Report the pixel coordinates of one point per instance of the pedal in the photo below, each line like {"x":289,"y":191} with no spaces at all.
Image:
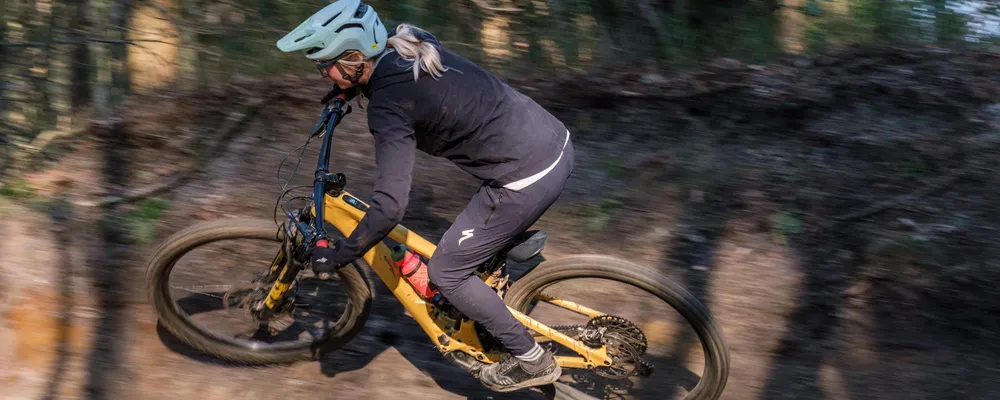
{"x":469,"y":364}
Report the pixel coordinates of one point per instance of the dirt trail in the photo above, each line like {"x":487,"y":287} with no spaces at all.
{"x":390,"y":358}
{"x":730,"y":203}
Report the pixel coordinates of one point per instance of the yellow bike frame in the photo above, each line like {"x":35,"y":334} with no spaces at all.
{"x":341,"y":214}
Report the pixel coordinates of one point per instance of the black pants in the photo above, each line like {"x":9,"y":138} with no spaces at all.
{"x":491,"y":219}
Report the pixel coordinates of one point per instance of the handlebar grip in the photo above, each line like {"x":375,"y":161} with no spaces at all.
{"x":335,"y":92}
{"x":338,"y":93}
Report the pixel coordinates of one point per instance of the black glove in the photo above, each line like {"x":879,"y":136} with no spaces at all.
{"x":350,"y":93}
{"x":322,"y":260}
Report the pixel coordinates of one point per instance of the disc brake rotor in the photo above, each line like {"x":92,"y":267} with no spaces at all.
{"x":245,"y":297}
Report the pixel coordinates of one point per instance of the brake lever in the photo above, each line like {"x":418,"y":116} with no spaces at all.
{"x":323,"y":120}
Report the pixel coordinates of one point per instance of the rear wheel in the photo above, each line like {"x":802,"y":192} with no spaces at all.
{"x":307,"y":325}
{"x":630,"y":340}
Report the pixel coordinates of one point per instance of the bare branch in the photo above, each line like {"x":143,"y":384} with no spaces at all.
{"x":134,"y":42}
{"x":230,"y":128}
{"x":940,"y":183}
{"x":165,"y":13}
{"x":79,"y":42}
{"x":482,"y":4}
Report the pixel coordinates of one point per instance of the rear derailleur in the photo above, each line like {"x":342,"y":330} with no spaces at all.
{"x":624,"y":340}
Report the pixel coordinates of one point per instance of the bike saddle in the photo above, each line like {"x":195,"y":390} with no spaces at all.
{"x":526,"y":245}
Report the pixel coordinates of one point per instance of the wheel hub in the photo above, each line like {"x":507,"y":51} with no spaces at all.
{"x":250,"y":298}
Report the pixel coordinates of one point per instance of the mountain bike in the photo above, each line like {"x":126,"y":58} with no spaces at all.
{"x":607,"y":345}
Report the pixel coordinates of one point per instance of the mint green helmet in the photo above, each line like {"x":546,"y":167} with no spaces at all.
{"x":341,"y":26}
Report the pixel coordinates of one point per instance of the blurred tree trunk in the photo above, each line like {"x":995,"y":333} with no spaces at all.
{"x":4,"y":60}
{"x":99,"y":58}
{"x":195,"y":63}
{"x":41,"y":70}
{"x":153,"y":56}
{"x":119,"y":65}
{"x":654,"y":20}
{"x":793,"y":27}
{"x":4,"y":127}
{"x":16,"y":68}
{"x":109,"y":59}
{"x":80,"y":55}
{"x":494,"y":34}
{"x":883,"y":28}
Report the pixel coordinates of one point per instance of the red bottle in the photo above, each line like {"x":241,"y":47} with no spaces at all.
{"x":414,"y":270}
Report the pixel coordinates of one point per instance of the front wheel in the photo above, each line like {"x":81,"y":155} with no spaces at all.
{"x":202,"y":279}
{"x":564,"y":294}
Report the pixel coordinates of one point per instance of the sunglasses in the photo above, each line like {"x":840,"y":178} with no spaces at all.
{"x":324,"y":66}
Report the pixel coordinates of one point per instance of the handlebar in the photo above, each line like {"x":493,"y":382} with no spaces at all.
{"x":314,"y":231}
{"x":337,"y":92}
{"x":329,"y":120}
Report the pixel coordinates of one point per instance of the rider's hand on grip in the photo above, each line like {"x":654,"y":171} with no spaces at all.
{"x":336,"y":91}
{"x":322,"y":260}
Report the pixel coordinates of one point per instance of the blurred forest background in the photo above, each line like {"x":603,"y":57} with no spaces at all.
{"x":822,"y":174}
{"x":63,"y":62}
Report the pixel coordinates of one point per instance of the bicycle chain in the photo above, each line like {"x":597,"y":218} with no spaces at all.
{"x":625,"y":337}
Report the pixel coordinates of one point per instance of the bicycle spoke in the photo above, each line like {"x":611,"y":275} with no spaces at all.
{"x":224,"y":287}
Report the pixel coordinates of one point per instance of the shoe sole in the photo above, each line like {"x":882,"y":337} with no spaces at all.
{"x":539,"y":381}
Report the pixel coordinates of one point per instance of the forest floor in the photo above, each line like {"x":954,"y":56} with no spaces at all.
{"x":838,"y":216}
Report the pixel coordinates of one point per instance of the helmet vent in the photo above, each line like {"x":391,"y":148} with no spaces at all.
{"x":331,"y":20}
{"x":345,"y":26}
{"x":300,"y":39}
{"x":360,"y":12}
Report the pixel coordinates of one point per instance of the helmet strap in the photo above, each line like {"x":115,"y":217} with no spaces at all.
{"x":353,"y":79}
{"x":357,"y":74}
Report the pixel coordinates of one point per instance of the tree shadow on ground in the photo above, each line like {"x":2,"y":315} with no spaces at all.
{"x":61,"y":214}
{"x":692,"y":261}
{"x":689,"y":258}
{"x":108,"y":266}
{"x":830,"y":267}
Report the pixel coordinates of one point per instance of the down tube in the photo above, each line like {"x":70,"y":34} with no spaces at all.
{"x":345,"y":217}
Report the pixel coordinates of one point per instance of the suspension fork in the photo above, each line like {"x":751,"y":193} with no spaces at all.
{"x":285,"y":279}
{"x":308,"y":235}
{"x":282,"y":272}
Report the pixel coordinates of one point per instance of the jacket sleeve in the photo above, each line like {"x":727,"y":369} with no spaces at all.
{"x":395,"y":153}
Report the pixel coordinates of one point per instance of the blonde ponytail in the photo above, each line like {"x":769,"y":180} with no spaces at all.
{"x":419,"y":52}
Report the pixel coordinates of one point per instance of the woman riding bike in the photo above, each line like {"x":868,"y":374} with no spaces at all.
{"x":423,"y":96}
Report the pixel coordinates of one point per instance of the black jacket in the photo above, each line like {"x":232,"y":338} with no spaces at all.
{"x":467,"y":115}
